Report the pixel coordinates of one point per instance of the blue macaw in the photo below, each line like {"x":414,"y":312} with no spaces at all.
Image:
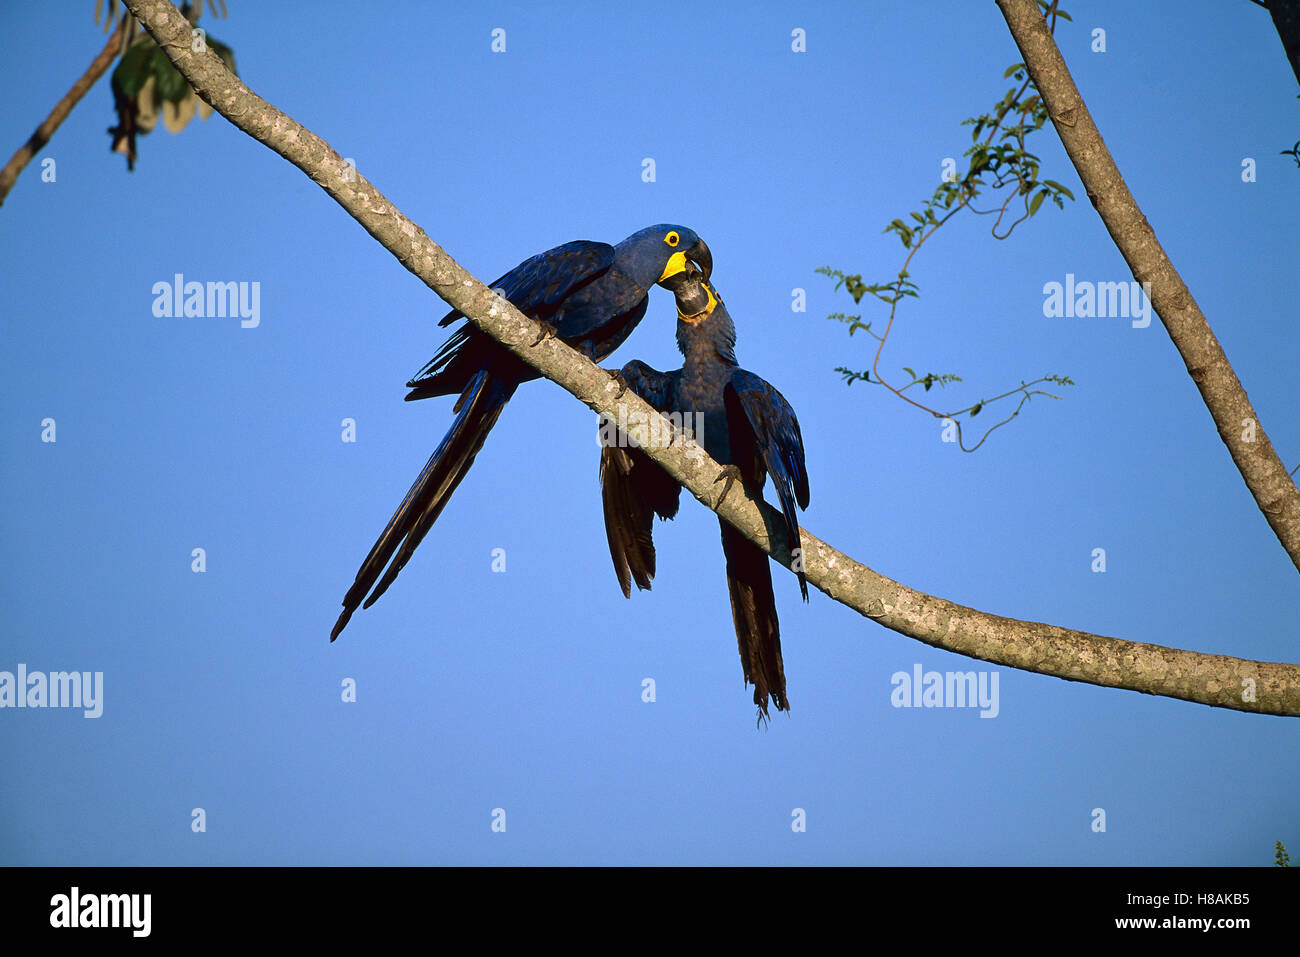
{"x":591,"y":295}
{"x":745,"y":425}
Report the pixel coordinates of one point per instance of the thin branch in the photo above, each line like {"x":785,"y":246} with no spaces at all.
{"x":1240,"y":684}
{"x":1023,"y":172}
{"x":98,"y":67}
{"x":1019,"y":405}
{"x":1239,"y":427}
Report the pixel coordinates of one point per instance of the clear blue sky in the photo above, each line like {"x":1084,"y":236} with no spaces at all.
{"x":479,"y":690}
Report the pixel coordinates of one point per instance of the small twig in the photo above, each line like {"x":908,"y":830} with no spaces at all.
{"x":98,"y":67}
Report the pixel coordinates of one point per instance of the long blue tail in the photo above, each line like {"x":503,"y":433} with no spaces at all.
{"x":477,"y":411}
{"x":753,"y":610}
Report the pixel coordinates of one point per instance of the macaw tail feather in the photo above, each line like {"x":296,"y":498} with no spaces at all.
{"x":753,"y":609}
{"x":477,"y":411}
{"x":633,"y":489}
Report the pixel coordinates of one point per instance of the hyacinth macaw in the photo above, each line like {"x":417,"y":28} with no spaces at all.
{"x":745,"y":425}
{"x":591,"y":295}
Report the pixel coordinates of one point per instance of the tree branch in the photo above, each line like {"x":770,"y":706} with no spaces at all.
{"x":25,"y":153}
{"x":1074,"y":655}
{"x":1239,"y":427}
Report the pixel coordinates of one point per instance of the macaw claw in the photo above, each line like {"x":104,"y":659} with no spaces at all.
{"x":730,"y":473}
{"x":545,"y":331}
{"x":617,"y":377}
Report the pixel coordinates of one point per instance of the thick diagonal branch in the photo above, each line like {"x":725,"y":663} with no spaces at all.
{"x":1234,"y":417}
{"x":1265,"y":687}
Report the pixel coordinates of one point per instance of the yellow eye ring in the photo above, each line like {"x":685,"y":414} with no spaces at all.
{"x":672,"y":239}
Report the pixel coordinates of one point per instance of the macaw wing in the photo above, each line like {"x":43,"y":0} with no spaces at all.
{"x":657,"y":388}
{"x":633,"y":489}
{"x":538,"y":285}
{"x":755,"y":406}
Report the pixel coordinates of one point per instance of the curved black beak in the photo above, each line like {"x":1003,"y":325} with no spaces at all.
{"x":703,"y":259}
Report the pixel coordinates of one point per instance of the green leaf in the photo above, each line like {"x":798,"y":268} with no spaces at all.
{"x":132,"y":71}
{"x":976,"y":409}
{"x":171,"y":85}
{"x":1058,"y":187}
{"x":1037,"y":201}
